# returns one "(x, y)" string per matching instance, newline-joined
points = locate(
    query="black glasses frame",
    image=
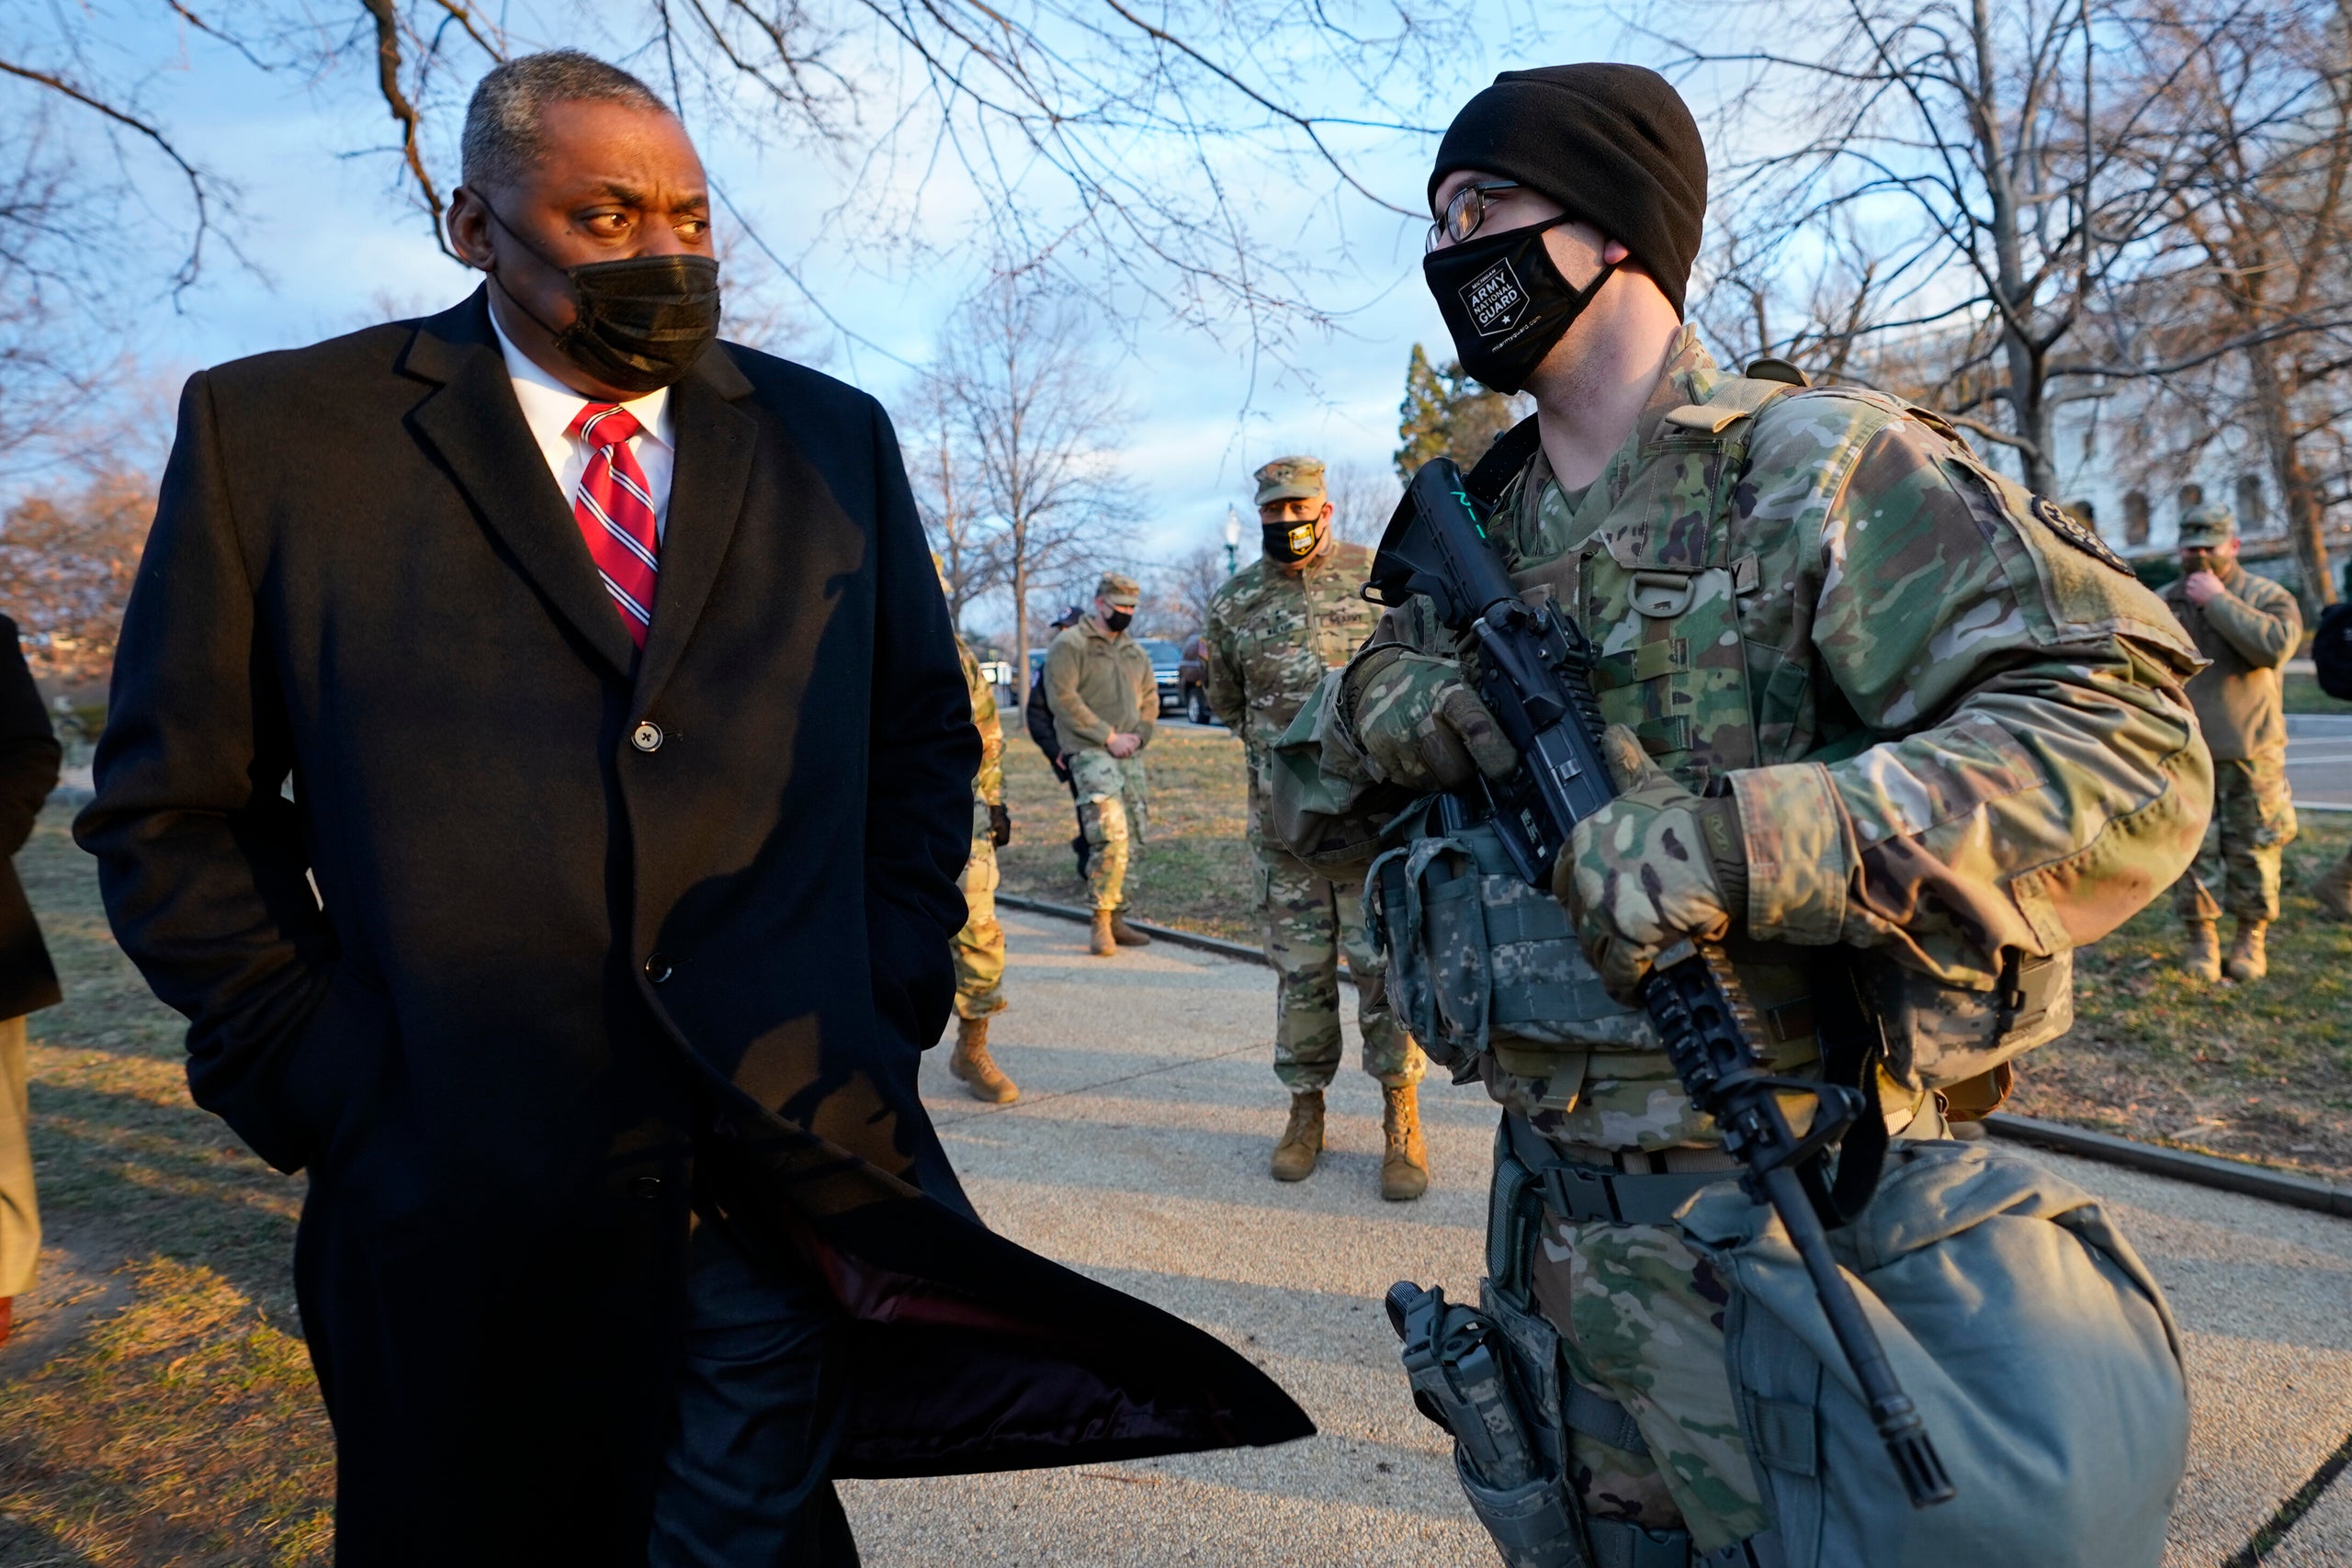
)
(1465, 209)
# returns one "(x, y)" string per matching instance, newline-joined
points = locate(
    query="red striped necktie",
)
(614, 511)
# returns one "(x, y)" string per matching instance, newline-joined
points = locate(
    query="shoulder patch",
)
(2063, 524)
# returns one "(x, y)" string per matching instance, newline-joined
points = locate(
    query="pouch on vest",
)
(1477, 959)
(2041, 1353)
(1331, 822)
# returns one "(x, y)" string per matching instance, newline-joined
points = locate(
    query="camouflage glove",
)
(1654, 865)
(1420, 728)
(999, 824)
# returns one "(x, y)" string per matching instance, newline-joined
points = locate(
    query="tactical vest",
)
(1480, 963)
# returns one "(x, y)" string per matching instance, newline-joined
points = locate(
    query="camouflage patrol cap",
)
(1290, 478)
(2208, 526)
(1117, 588)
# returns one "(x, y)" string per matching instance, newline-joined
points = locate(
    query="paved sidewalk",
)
(1137, 1153)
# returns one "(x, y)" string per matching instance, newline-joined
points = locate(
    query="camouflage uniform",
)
(979, 946)
(2248, 631)
(1273, 632)
(1098, 683)
(1954, 730)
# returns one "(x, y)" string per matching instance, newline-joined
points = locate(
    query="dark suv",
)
(1192, 682)
(1165, 661)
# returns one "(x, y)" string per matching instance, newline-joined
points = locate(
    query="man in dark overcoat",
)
(539, 768)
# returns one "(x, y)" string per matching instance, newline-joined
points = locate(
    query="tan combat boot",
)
(2201, 958)
(1124, 934)
(972, 1063)
(2247, 961)
(1102, 943)
(2334, 889)
(1404, 1168)
(1302, 1140)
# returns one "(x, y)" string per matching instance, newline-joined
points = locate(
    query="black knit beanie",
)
(1614, 144)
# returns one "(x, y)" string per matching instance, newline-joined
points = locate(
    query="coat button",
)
(657, 968)
(647, 735)
(646, 1188)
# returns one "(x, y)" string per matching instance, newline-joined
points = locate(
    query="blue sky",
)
(337, 245)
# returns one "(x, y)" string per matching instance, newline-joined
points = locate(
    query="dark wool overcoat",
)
(544, 934)
(28, 759)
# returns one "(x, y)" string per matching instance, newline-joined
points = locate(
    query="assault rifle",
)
(1536, 674)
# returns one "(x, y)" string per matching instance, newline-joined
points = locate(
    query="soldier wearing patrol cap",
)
(2248, 627)
(1275, 629)
(1105, 702)
(1897, 734)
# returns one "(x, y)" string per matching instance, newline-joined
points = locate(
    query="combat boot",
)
(2247, 961)
(1302, 1141)
(1124, 934)
(1404, 1168)
(2201, 958)
(1101, 942)
(2334, 889)
(972, 1063)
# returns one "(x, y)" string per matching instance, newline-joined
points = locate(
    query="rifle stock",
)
(1534, 674)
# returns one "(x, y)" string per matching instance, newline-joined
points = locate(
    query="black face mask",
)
(1118, 621)
(1290, 543)
(642, 321)
(1505, 302)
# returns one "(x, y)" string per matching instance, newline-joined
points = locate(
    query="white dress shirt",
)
(549, 407)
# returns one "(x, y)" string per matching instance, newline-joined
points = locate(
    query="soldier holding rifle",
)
(1887, 736)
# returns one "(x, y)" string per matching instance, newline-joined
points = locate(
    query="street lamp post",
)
(1232, 540)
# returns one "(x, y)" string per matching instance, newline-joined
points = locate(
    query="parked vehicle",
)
(1165, 658)
(1192, 682)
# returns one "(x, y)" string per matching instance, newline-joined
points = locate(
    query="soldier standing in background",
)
(1275, 629)
(1105, 702)
(2248, 627)
(979, 946)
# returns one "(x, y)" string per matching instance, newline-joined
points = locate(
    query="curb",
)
(1216, 944)
(2201, 1170)
(2179, 1164)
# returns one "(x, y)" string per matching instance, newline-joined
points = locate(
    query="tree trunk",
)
(2029, 412)
(1020, 626)
(2298, 496)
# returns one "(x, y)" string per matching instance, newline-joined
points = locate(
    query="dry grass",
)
(1195, 869)
(184, 1426)
(2260, 1072)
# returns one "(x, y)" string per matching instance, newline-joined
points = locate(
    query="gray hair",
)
(502, 137)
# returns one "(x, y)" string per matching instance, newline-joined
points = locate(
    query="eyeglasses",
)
(1464, 210)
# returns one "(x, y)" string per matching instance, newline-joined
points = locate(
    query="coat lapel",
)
(475, 424)
(716, 441)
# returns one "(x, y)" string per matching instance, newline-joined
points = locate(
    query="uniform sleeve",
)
(1410, 628)
(1073, 720)
(988, 785)
(1227, 695)
(1146, 702)
(2038, 775)
(2266, 634)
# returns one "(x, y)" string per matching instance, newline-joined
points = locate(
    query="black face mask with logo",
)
(642, 321)
(1290, 543)
(1505, 302)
